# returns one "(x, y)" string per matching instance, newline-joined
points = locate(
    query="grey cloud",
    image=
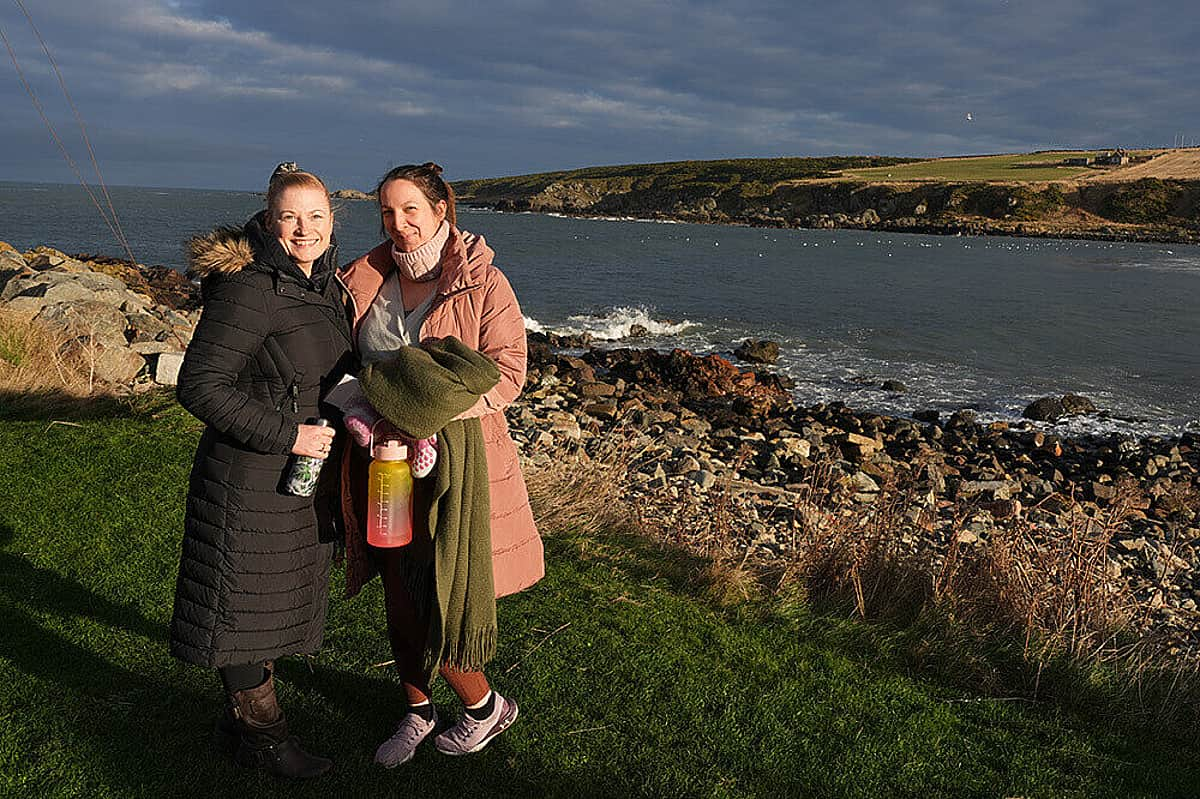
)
(537, 84)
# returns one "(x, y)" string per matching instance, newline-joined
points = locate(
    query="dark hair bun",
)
(432, 167)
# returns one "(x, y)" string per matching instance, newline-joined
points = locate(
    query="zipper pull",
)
(295, 391)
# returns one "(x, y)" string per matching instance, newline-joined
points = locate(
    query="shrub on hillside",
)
(1146, 201)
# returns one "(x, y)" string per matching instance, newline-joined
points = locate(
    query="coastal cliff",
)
(971, 196)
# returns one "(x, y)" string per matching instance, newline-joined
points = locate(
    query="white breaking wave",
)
(611, 325)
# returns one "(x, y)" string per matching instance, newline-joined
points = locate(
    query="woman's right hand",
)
(313, 441)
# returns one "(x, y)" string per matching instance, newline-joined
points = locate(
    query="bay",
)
(987, 323)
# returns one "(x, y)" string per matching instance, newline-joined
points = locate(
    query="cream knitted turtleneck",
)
(423, 263)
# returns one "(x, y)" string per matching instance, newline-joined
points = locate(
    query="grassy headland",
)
(630, 682)
(1156, 196)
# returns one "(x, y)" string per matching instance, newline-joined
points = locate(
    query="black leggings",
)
(241, 677)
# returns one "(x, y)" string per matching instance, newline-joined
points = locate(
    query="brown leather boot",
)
(228, 731)
(263, 740)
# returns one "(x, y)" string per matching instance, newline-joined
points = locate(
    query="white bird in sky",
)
(969, 117)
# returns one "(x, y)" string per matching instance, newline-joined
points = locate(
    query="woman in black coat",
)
(253, 575)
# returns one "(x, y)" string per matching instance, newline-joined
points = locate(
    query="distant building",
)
(1084, 161)
(1115, 158)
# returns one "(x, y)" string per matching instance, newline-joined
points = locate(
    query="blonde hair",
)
(282, 181)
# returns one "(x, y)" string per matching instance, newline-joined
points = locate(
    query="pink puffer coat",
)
(474, 302)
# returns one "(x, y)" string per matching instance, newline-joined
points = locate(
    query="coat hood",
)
(464, 261)
(226, 249)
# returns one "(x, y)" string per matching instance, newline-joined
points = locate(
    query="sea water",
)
(988, 323)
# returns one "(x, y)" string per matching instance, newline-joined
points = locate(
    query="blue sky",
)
(212, 93)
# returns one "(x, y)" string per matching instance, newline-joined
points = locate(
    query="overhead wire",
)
(113, 223)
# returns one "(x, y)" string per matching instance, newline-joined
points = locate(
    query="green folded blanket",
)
(420, 391)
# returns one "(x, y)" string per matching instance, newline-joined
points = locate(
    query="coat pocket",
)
(290, 377)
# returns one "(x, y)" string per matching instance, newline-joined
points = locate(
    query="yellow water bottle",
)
(389, 496)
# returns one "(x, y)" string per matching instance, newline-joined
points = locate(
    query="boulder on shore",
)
(755, 351)
(1046, 409)
(1051, 409)
(121, 320)
(1074, 405)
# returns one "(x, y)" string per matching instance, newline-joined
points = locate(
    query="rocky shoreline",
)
(954, 226)
(718, 457)
(761, 194)
(709, 439)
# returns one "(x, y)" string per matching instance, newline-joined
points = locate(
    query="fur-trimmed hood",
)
(230, 250)
(226, 249)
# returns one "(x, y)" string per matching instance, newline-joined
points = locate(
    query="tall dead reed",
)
(37, 361)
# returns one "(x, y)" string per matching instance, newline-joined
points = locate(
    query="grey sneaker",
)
(471, 735)
(403, 744)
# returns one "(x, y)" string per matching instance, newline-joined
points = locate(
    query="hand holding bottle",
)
(313, 441)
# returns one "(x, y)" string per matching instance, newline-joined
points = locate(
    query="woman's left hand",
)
(313, 441)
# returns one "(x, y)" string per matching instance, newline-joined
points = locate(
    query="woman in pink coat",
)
(428, 281)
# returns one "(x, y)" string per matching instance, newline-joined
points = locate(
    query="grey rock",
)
(756, 351)
(116, 365)
(1046, 409)
(98, 321)
(1074, 405)
(166, 368)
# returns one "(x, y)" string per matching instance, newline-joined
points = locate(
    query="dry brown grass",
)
(1029, 612)
(581, 496)
(45, 370)
(1055, 588)
(34, 359)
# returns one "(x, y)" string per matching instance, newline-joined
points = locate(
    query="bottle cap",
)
(390, 451)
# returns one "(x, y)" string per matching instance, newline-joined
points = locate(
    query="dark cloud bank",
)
(211, 93)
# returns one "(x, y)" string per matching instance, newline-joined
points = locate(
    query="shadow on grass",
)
(51, 405)
(359, 712)
(101, 708)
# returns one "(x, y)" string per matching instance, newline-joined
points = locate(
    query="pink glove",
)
(422, 455)
(359, 418)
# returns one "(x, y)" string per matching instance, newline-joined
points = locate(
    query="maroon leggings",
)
(407, 631)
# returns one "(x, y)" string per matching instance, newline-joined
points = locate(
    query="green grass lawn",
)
(628, 684)
(1014, 168)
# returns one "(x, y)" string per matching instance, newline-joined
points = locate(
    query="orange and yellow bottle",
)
(389, 496)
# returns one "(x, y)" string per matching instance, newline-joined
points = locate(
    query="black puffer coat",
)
(253, 575)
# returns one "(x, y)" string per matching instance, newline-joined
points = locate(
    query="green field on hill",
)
(1045, 166)
(629, 683)
(764, 172)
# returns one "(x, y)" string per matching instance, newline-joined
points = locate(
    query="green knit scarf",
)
(420, 391)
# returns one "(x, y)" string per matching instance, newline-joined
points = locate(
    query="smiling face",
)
(302, 221)
(408, 217)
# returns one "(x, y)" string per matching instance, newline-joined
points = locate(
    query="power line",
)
(112, 223)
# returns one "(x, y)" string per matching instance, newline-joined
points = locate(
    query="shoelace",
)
(412, 732)
(466, 727)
